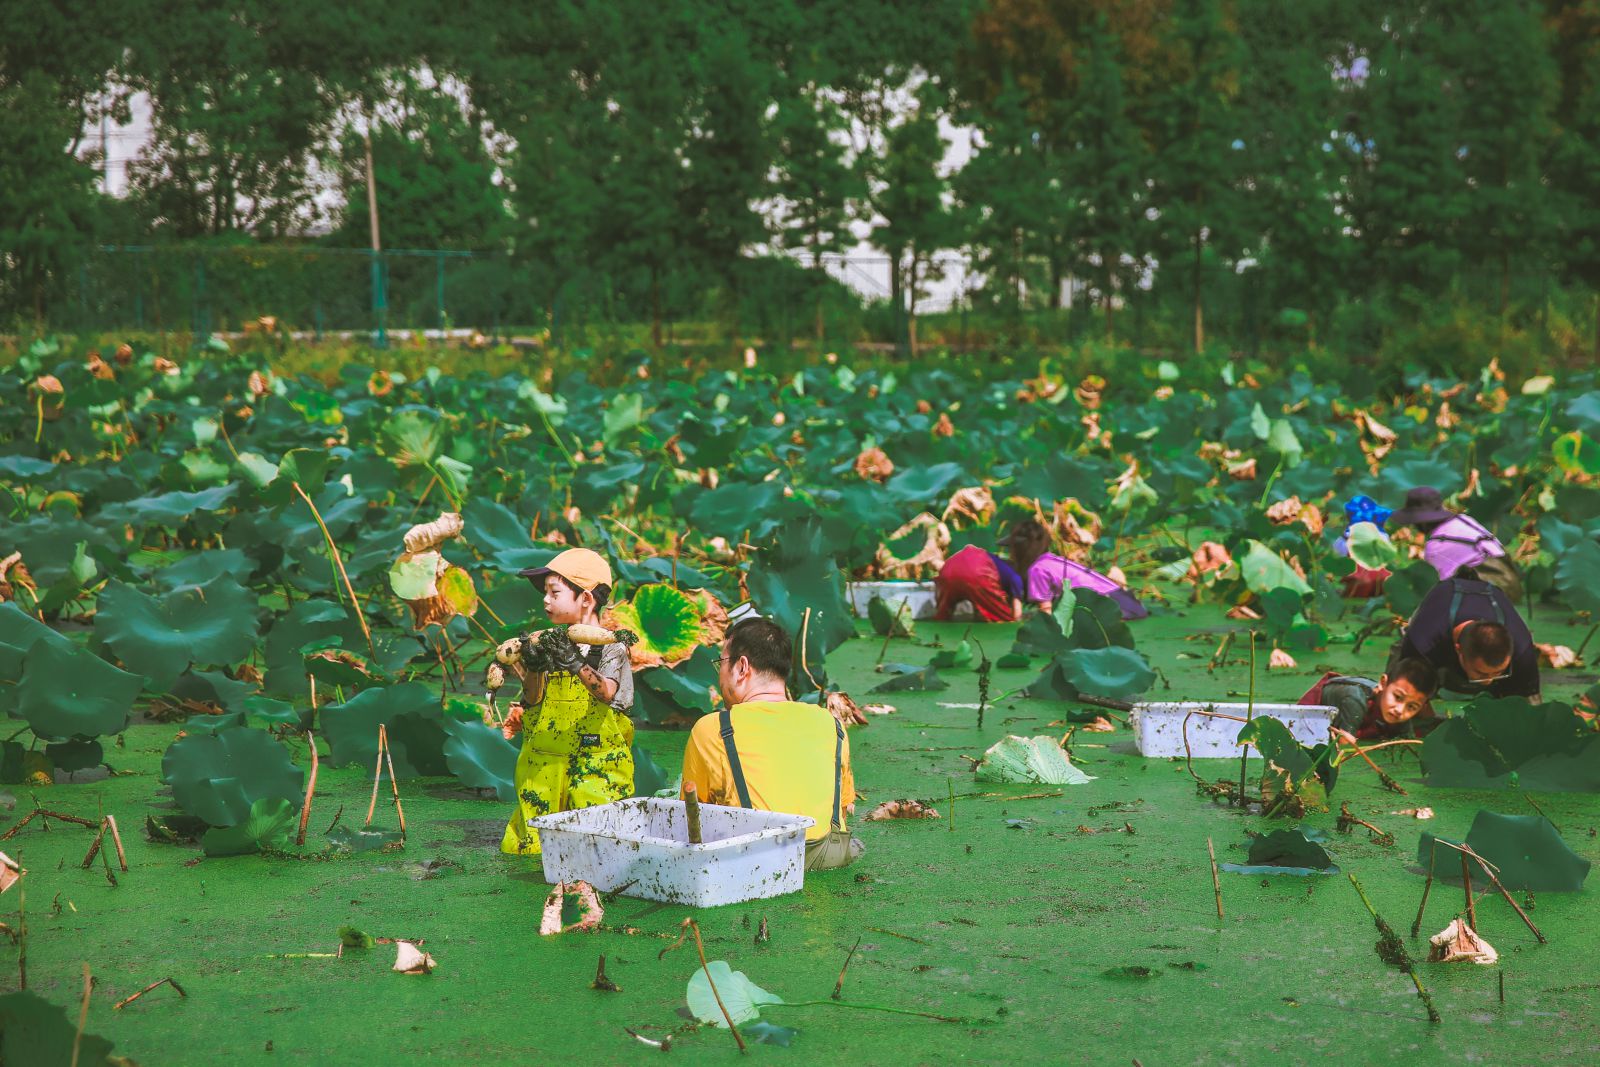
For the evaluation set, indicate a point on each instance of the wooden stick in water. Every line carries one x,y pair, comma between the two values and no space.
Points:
1466,882
377,775
311,789
394,783
83,1014
1416,924
691,810
116,840
125,1001
1216,883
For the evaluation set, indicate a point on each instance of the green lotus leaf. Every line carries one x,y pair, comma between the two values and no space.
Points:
457,590
649,777
1526,850
1263,569
160,637
797,571
69,692
895,615
415,578
734,507
415,724
1506,742
624,412
668,621
75,755
25,468
1370,546
1289,763
198,568
363,839
1012,661
1578,576
219,777
1294,852
481,757
1577,453
35,1031
1039,635
669,694
350,937
1108,672
268,825
961,658
277,712
208,725
1032,760
492,527
741,998
925,680
168,509
924,485
413,436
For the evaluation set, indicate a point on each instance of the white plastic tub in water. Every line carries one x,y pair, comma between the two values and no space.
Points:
1159,727
919,597
645,841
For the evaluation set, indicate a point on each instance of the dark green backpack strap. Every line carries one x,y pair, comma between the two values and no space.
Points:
739,784
836,817
1488,591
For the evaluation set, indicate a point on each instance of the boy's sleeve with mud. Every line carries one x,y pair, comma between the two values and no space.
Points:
615,664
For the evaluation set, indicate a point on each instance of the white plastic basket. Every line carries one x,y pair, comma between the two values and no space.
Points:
920,597
746,854
1159,727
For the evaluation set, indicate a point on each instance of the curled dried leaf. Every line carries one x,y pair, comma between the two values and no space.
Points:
1280,661
588,903
123,354
874,465
1460,943
409,959
879,709
428,535
1558,657
1243,472
163,365
901,809
944,427
259,384
1415,813
1101,725
845,710
99,368
974,504
1210,556
10,873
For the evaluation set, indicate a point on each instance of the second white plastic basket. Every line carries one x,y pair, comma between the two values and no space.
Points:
643,844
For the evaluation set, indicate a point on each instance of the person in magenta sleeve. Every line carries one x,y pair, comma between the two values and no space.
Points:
1045,575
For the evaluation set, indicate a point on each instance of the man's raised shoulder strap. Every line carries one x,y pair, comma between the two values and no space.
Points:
728,746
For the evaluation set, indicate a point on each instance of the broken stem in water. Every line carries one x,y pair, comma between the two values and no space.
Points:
83,1014
1416,924
889,634
1216,883
1393,950
338,562
1250,713
700,947
311,789
691,812
377,775
394,783
125,1001
838,985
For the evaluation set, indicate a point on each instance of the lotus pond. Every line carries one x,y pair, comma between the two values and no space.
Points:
202,547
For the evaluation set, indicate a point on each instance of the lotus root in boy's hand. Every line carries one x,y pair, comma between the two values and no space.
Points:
561,652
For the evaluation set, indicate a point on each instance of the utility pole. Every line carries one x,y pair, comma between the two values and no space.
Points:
380,308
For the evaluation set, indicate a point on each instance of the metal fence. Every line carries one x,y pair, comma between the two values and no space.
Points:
316,291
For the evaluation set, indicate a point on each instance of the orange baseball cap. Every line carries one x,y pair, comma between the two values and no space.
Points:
583,567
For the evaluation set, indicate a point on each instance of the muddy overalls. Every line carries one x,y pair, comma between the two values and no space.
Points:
575,754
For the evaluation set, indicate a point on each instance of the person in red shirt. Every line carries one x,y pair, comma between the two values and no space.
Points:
1396,703
983,580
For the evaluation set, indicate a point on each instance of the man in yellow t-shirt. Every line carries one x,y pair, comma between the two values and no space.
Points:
770,753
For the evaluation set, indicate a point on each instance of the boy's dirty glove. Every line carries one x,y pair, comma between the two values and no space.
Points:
561,652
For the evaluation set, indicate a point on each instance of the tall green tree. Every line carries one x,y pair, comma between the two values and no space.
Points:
1191,123
816,192
909,194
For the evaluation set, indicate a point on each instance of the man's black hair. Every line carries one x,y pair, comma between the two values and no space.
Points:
1488,643
601,593
764,643
1419,672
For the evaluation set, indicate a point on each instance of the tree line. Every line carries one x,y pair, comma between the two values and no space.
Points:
1347,161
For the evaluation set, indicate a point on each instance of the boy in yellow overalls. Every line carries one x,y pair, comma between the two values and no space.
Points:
576,733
